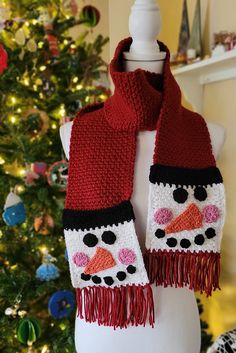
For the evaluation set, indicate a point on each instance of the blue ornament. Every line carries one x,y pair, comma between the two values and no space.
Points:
61,304
47,271
14,210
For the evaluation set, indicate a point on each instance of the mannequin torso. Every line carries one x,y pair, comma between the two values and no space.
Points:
177,328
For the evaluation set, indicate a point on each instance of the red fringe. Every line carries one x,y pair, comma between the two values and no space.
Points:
199,271
117,307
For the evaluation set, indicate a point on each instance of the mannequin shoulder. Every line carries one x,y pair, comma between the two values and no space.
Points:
65,134
218,136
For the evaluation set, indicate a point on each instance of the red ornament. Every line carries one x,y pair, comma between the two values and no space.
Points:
3,59
39,168
52,40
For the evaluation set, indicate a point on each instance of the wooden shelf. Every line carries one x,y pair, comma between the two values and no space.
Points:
193,77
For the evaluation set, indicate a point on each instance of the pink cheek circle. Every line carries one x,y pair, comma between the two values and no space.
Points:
210,213
163,215
80,259
126,256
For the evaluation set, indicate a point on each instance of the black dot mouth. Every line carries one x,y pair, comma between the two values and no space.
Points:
131,269
85,277
199,239
108,280
172,242
185,243
210,233
121,275
96,279
160,233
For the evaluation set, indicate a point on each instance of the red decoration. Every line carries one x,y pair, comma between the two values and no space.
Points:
43,223
52,40
39,168
3,59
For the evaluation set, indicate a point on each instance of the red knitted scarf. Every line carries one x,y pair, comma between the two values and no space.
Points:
186,199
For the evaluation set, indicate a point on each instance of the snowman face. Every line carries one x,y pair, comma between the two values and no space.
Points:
107,256
185,218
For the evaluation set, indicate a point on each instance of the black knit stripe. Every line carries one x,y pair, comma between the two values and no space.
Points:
73,219
184,176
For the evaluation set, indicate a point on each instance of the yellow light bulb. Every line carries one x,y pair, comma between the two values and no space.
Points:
42,68
13,100
44,349
14,267
26,82
62,110
35,87
102,97
12,119
19,110
40,45
22,172
27,23
2,161
75,79
20,188
62,326
34,21
73,46
65,41
78,87
87,99
43,249
54,126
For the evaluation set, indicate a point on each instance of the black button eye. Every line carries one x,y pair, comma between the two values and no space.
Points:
200,193
180,195
90,240
108,237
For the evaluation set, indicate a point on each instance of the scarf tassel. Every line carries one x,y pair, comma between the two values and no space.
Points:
117,307
199,271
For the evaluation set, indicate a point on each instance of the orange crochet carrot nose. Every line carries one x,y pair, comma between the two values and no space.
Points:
190,219
102,260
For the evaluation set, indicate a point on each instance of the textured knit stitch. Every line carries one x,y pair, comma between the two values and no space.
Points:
184,229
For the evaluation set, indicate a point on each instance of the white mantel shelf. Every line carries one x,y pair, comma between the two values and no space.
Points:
193,77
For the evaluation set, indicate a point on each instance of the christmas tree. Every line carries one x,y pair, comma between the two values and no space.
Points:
46,76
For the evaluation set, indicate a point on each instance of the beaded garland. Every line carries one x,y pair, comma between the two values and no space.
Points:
186,208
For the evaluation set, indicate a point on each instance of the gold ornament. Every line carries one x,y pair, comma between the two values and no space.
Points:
43,223
20,37
31,45
44,121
